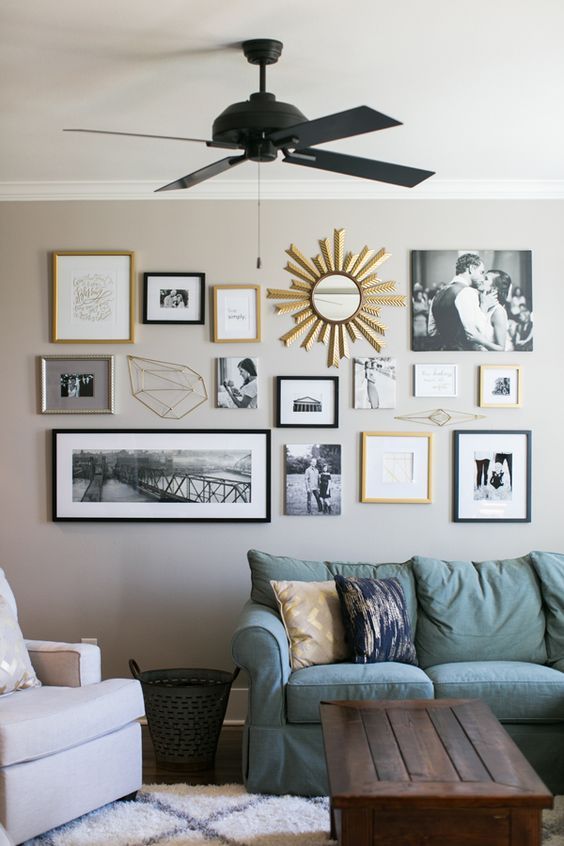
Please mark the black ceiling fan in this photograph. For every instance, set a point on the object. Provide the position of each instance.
(262, 127)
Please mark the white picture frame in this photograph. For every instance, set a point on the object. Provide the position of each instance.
(435, 380)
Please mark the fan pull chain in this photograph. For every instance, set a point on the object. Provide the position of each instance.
(258, 216)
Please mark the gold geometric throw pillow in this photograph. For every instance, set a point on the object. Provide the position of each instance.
(16, 672)
(311, 614)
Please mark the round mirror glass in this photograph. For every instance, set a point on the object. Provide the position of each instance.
(336, 297)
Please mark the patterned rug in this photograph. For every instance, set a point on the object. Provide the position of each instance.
(181, 815)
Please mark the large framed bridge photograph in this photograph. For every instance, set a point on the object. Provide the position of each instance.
(220, 475)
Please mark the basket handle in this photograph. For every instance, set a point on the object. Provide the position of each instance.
(134, 667)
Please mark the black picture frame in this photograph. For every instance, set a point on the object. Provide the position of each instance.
(492, 476)
(326, 393)
(184, 313)
(164, 484)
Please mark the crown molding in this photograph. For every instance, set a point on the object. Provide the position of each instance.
(293, 189)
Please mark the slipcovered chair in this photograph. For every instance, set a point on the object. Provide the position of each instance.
(67, 746)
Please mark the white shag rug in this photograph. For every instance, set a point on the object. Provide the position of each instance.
(181, 815)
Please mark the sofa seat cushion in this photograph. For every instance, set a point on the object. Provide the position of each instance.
(308, 687)
(44, 720)
(513, 689)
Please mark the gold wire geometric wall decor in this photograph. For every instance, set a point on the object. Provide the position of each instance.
(440, 417)
(170, 390)
(336, 296)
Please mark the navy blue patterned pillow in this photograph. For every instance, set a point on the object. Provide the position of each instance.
(376, 620)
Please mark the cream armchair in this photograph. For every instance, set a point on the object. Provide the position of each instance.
(69, 746)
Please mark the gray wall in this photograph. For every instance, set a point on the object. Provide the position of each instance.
(168, 594)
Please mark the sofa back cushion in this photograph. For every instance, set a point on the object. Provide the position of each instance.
(478, 611)
(549, 567)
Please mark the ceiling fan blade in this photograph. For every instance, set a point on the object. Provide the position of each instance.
(356, 166)
(329, 128)
(227, 146)
(204, 173)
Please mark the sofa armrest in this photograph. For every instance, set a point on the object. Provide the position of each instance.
(65, 664)
(260, 647)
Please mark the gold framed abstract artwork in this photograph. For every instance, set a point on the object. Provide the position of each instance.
(396, 467)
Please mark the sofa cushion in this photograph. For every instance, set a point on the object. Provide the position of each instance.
(376, 620)
(311, 614)
(7, 593)
(16, 672)
(44, 720)
(307, 688)
(478, 610)
(549, 567)
(512, 689)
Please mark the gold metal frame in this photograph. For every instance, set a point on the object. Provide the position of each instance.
(55, 330)
(517, 369)
(425, 435)
(257, 290)
(361, 269)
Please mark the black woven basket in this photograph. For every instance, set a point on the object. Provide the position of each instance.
(185, 709)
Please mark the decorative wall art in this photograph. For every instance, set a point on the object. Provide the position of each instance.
(471, 300)
(313, 479)
(500, 386)
(236, 313)
(220, 475)
(336, 296)
(307, 402)
(173, 297)
(93, 297)
(492, 476)
(77, 384)
(396, 467)
(435, 380)
(237, 382)
(440, 417)
(170, 390)
(375, 382)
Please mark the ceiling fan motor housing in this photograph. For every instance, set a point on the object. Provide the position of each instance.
(248, 124)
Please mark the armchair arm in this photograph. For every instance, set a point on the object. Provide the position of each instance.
(260, 647)
(65, 664)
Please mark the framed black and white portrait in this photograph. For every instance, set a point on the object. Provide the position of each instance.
(237, 382)
(307, 401)
(173, 298)
(500, 386)
(313, 479)
(375, 382)
(77, 384)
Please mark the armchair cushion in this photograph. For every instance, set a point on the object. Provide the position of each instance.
(16, 672)
(65, 664)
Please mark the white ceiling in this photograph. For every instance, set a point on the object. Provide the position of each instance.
(478, 85)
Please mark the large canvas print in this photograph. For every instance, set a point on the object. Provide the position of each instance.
(471, 300)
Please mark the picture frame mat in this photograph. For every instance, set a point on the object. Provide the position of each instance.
(291, 388)
(152, 309)
(488, 375)
(376, 446)
(236, 313)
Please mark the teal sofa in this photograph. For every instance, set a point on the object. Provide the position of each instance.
(492, 630)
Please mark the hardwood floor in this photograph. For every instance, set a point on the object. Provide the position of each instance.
(227, 768)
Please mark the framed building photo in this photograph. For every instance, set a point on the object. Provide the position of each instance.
(313, 479)
(236, 313)
(93, 297)
(471, 300)
(375, 382)
(435, 380)
(500, 386)
(492, 476)
(77, 384)
(307, 402)
(237, 382)
(220, 475)
(173, 297)
(396, 467)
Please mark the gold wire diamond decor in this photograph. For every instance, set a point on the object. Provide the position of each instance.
(170, 390)
(441, 417)
(336, 297)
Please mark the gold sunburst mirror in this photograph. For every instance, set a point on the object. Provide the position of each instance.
(336, 296)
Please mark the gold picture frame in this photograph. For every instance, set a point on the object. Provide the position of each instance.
(236, 314)
(93, 297)
(500, 386)
(396, 467)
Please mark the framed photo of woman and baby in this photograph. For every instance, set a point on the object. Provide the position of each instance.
(478, 300)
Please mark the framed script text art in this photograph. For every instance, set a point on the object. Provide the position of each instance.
(93, 297)
(236, 313)
(500, 386)
(492, 476)
(305, 402)
(216, 475)
(435, 380)
(77, 384)
(173, 298)
(396, 467)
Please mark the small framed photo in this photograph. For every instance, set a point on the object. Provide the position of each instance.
(500, 386)
(307, 402)
(237, 382)
(236, 313)
(77, 384)
(435, 380)
(396, 467)
(492, 476)
(173, 297)
(93, 297)
(375, 382)
(313, 479)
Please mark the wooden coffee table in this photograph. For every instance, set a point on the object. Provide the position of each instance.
(434, 772)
